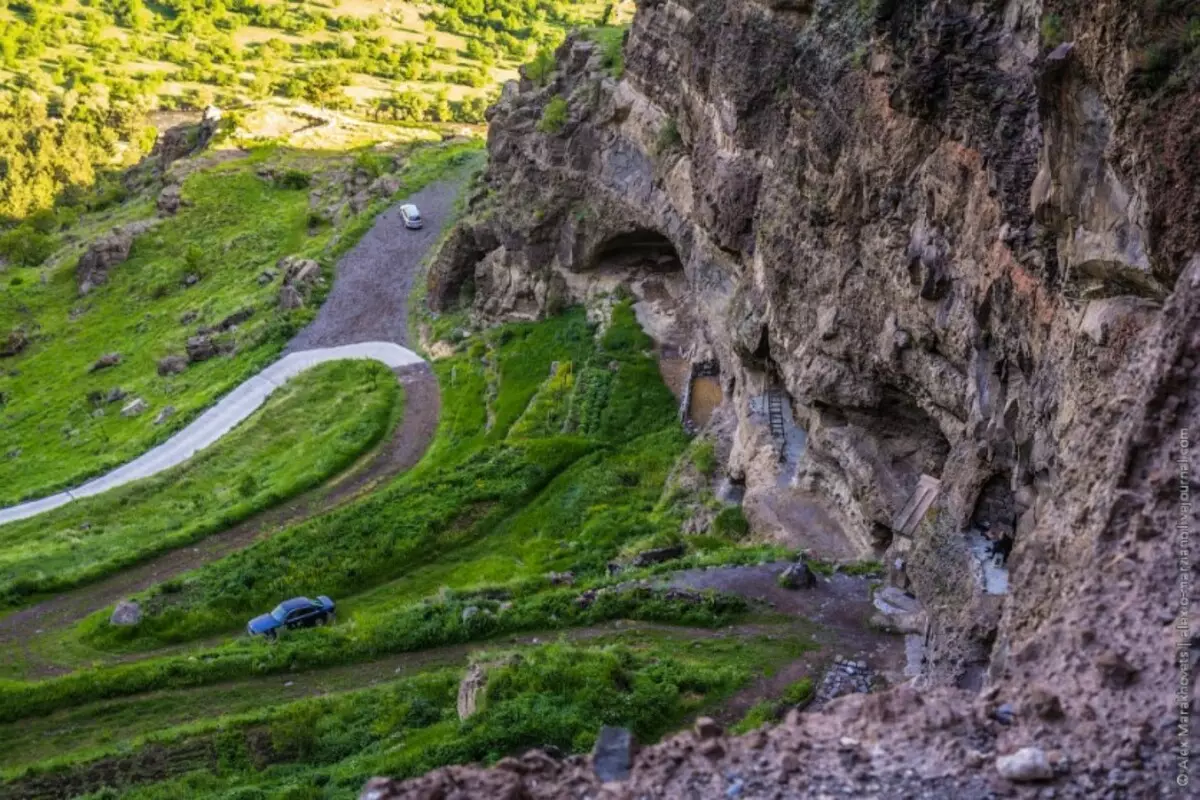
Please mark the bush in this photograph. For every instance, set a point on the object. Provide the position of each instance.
(731, 523)
(554, 116)
(1052, 30)
(26, 246)
(668, 137)
(704, 458)
(541, 67)
(294, 179)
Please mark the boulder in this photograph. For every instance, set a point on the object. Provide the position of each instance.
(134, 407)
(172, 365)
(164, 415)
(657, 555)
(201, 348)
(290, 298)
(385, 186)
(562, 578)
(613, 754)
(797, 576)
(103, 254)
(1115, 671)
(299, 271)
(169, 200)
(470, 612)
(114, 395)
(707, 728)
(360, 201)
(235, 319)
(126, 613)
(468, 691)
(105, 361)
(14, 343)
(1027, 764)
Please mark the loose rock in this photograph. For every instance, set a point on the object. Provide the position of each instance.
(126, 613)
(1027, 764)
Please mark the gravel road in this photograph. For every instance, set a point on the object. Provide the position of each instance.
(369, 301)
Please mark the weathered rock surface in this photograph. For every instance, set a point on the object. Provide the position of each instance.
(107, 252)
(105, 362)
(201, 348)
(134, 407)
(169, 199)
(172, 365)
(1006, 233)
(126, 612)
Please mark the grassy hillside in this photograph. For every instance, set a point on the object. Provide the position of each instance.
(60, 420)
(553, 454)
(310, 429)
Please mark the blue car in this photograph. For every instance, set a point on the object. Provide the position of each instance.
(299, 612)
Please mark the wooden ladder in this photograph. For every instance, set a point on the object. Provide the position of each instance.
(775, 419)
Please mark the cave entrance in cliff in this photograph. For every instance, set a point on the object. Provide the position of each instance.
(642, 249)
(644, 263)
(992, 530)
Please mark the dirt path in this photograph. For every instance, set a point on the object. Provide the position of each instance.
(841, 608)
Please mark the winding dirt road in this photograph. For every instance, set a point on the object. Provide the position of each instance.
(368, 304)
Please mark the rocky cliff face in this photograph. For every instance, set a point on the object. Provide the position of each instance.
(938, 237)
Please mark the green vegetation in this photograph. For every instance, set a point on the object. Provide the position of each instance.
(554, 115)
(61, 421)
(668, 138)
(475, 482)
(771, 710)
(556, 694)
(310, 429)
(1052, 30)
(533, 470)
(611, 39)
(731, 523)
(704, 457)
(81, 76)
(420, 626)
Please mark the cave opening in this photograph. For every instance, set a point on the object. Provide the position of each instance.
(992, 530)
(641, 248)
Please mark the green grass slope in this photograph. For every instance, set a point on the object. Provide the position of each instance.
(310, 429)
(57, 426)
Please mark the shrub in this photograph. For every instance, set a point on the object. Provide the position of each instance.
(554, 116)
(704, 458)
(294, 179)
(668, 137)
(26, 246)
(1052, 30)
(541, 67)
(731, 523)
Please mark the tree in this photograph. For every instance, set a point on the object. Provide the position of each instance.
(541, 67)
(408, 106)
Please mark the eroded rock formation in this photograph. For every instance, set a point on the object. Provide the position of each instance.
(959, 259)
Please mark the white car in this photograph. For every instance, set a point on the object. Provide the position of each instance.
(411, 216)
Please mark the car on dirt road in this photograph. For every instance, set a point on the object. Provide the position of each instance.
(411, 216)
(299, 612)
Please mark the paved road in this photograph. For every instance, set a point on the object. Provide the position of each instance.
(365, 316)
